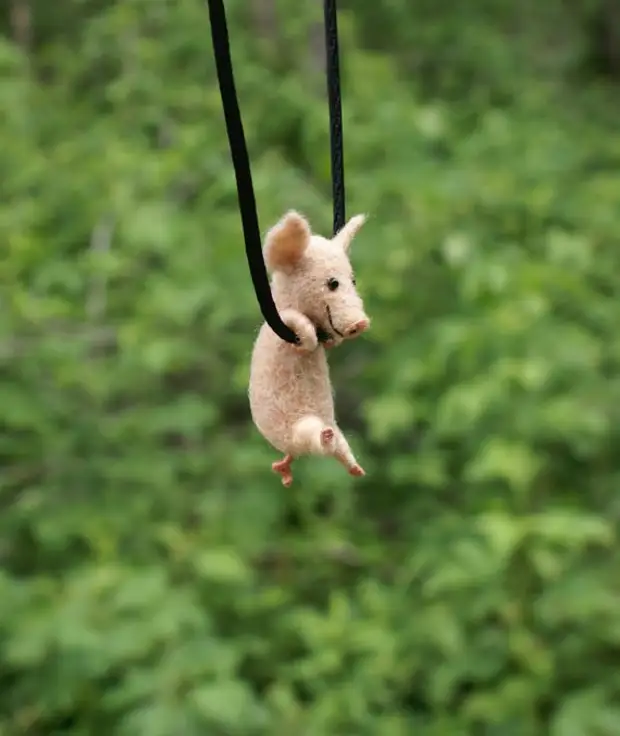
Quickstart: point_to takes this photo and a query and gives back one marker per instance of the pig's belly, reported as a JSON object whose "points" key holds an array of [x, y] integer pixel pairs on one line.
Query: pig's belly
{"points": [[284, 387]]}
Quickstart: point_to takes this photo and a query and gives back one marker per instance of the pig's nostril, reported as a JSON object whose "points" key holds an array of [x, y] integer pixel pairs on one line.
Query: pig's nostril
{"points": [[358, 327]]}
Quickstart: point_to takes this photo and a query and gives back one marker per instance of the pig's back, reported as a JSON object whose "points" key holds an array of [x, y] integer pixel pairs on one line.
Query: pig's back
{"points": [[286, 385]]}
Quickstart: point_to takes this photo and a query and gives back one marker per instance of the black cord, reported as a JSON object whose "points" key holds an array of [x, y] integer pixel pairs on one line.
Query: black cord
{"points": [[335, 112], [243, 174], [241, 162]]}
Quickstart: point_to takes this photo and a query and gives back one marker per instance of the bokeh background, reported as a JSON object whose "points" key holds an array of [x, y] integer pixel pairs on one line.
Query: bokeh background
{"points": [[155, 577]]}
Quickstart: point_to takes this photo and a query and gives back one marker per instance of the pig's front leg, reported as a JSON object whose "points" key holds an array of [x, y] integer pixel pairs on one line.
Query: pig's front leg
{"points": [[302, 327]]}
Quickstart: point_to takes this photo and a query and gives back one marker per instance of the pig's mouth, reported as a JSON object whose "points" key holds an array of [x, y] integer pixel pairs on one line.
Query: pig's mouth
{"points": [[322, 334], [331, 322]]}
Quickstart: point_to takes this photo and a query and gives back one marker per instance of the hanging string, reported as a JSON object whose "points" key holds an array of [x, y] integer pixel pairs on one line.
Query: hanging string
{"points": [[335, 112], [243, 173]]}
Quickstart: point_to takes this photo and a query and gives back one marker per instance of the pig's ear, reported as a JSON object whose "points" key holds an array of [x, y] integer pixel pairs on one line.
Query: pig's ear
{"points": [[344, 238], [286, 242]]}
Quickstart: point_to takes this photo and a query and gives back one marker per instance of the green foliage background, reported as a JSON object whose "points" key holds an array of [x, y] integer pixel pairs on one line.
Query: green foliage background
{"points": [[155, 578]]}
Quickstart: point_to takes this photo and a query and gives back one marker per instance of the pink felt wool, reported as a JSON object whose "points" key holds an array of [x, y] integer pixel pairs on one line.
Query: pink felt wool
{"points": [[291, 397]]}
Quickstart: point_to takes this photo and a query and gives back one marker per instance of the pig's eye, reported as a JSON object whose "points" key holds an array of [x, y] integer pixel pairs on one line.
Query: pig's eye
{"points": [[354, 280], [333, 284]]}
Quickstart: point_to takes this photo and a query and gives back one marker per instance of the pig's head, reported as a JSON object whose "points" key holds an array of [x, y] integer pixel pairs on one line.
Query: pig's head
{"points": [[314, 275]]}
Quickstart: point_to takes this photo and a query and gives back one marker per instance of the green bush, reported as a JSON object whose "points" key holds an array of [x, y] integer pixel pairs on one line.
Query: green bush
{"points": [[155, 578]]}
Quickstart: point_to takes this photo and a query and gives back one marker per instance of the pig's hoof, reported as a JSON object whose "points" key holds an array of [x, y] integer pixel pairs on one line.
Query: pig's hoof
{"points": [[328, 438], [307, 339], [283, 467], [357, 470]]}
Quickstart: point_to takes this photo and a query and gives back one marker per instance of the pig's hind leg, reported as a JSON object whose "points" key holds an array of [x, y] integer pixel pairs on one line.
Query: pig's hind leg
{"points": [[284, 468], [344, 455], [310, 436]]}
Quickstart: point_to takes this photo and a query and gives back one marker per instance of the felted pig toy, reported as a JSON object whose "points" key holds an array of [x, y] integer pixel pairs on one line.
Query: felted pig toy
{"points": [[313, 287]]}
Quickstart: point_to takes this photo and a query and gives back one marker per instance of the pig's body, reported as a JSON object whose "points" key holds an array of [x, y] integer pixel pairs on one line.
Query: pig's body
{"points": [[286, 385], [290, 393]]}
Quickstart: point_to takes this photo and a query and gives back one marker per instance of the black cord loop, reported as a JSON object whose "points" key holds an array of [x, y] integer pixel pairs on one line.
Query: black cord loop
{"points": [[241, 162]]}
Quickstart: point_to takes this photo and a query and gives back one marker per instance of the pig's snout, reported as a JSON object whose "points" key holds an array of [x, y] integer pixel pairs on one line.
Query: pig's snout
{"points": [[357, 328]]}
